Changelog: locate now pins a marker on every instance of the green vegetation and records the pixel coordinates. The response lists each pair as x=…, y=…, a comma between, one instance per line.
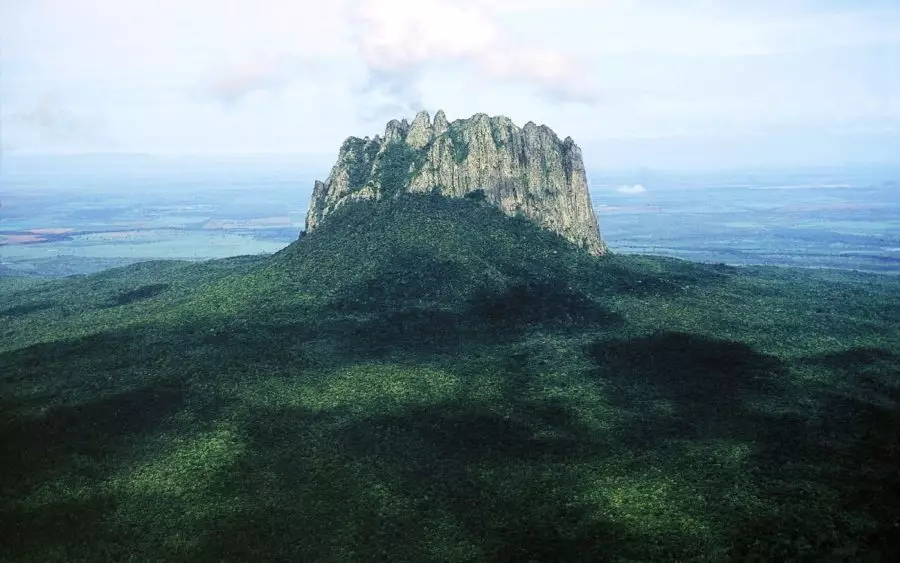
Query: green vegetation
x=477, y=195
x=396, y=167
x=362, y=156
x=421, y=156
x=497, y=134
x=426, y=379
x=545, y=170
x=459, y=144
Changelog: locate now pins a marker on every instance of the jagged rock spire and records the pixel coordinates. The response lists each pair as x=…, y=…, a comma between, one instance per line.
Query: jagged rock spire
x=420, y=132
x=440, y=123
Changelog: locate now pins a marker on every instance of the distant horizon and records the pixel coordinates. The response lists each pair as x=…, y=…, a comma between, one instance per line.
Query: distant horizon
x=327, y=159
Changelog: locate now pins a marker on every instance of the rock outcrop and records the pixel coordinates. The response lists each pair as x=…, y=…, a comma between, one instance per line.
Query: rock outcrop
x=526, y=170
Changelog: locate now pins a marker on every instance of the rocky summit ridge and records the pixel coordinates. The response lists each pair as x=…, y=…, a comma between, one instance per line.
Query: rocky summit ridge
x=526, y=170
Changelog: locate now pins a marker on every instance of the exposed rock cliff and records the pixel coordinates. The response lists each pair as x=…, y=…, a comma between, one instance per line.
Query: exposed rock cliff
x=524, y=170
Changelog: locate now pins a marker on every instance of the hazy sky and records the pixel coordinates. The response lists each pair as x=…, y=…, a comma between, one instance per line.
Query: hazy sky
x=683, y=83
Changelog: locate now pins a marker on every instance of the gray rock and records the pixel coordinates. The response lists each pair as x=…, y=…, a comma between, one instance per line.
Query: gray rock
x=524, y=170
x=420, y=132
x=395, y=131
x=440, y=123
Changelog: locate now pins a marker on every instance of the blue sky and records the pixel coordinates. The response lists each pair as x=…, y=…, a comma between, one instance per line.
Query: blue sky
x=657, y=83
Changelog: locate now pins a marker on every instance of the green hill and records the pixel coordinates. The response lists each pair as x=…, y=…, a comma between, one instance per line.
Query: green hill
x=428, y=379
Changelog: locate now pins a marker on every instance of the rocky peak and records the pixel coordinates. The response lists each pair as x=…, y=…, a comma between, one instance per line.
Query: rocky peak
x=440, y=123
x=396, y=130
x=420, y=132
x=526, y=171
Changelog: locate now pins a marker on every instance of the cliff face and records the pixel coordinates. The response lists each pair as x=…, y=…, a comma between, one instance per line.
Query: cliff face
x=524, y=170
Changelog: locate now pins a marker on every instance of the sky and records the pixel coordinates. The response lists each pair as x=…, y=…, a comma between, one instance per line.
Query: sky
x=637, y=83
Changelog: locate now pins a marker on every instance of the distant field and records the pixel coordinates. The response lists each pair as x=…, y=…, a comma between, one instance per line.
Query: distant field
x=86, y=222
x=82, y=222
x=849, y=221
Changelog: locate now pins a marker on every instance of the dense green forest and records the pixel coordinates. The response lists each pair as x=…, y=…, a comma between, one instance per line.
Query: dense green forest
x=426, y=379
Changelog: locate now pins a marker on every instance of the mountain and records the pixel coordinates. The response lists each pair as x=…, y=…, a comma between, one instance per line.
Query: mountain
x=526, y=170
x=427, y=378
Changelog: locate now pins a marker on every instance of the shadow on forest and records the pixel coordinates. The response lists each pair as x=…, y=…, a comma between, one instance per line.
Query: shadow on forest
x=99, y=352
x=417, y=302
x=636, y=280
x=27, y=309
x=379, y=483
x=714, y=389
x=501, y=477
x=60, y=524
x=395, y=483
x=35, y=447
x=488, y=317
x=87, y=440
x=705, y=383
x=139, y=294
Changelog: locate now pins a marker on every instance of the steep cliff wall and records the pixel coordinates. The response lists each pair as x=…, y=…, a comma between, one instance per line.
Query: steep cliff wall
x=526, y=170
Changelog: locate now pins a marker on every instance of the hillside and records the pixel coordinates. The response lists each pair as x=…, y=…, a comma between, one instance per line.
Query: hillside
x=430, y=379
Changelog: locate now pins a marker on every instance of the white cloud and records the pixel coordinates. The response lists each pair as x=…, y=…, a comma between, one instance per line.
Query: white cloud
x=166, y=41
x=53, y=120
x=232, y=83
x=244, y=74
x=635, y=189
x=557, y=77
x=396, y=39
x=55, y=125
x=396, y=35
